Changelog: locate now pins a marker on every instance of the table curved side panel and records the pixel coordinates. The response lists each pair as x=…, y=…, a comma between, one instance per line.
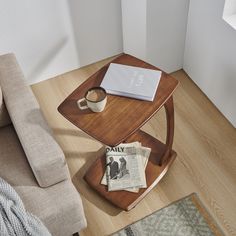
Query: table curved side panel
x=169, y=108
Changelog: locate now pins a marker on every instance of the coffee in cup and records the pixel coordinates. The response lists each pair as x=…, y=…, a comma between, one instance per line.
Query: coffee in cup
x=95, y=98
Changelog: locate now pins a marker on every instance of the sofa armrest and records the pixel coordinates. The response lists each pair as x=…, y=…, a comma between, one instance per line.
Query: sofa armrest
x=44, y=155
x=4, y=117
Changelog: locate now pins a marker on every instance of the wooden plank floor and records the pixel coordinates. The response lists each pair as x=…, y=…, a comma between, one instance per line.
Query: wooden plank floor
x=205, y=143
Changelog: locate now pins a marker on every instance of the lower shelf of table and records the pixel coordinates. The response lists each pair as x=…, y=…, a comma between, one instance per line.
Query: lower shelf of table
x=154, y=173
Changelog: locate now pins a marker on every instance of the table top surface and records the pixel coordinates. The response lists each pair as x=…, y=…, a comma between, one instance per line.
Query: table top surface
x=122, y=116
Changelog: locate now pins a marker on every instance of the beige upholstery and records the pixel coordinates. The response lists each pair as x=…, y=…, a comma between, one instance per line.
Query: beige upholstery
x=44, y=155
x=58, y=206
x=4, y=117
x=29, y=157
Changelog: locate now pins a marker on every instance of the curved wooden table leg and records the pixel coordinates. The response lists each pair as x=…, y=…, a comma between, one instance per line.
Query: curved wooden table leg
x=169, y=108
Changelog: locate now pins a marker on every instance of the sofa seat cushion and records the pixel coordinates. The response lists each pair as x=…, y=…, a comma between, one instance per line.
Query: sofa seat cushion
x=57, y=206
x=4, y=117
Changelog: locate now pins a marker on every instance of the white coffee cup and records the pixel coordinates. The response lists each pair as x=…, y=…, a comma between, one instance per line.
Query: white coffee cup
x=95, y=98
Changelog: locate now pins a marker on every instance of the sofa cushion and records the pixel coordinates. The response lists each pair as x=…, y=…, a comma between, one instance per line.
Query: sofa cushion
x=43, y=153
x=59, y=206
x=4, y=117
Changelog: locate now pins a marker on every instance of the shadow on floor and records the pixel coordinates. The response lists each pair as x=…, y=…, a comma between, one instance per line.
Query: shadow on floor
x=85, y=190
x=71, y=132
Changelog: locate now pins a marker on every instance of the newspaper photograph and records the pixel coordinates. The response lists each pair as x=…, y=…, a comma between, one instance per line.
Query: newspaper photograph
x=134, y=144
x=125, y=168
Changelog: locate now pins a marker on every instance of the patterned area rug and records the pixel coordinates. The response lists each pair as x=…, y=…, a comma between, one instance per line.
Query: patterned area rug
x=186, y=217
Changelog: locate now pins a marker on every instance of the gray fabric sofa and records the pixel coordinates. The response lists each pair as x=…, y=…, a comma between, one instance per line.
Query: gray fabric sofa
x=31, y=160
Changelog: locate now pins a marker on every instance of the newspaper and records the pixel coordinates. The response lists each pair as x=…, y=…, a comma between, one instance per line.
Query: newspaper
x=145, y=153
x=126, y=167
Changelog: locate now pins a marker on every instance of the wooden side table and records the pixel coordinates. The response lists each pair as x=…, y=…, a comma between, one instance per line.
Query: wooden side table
x=121, y=122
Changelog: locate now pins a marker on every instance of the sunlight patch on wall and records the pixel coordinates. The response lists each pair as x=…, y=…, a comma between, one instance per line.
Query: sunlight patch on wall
x=229, y=13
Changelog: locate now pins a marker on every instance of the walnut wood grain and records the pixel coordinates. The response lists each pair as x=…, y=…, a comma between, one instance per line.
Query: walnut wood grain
x=122, y=116
x=169, y=108
x=154, y=173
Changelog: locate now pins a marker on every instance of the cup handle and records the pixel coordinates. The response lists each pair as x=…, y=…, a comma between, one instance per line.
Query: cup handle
x=79, y=104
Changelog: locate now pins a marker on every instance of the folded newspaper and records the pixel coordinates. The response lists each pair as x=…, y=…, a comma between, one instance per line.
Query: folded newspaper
x=126, y=165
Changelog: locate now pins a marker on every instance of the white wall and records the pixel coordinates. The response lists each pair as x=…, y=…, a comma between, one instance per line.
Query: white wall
x=166, y=32
x=210, y=54
x=134, y=27
x=97, y=28
x=230, y=7
x=56, y=36
x=229, y=14
x=155, y=30
x=40, y=34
